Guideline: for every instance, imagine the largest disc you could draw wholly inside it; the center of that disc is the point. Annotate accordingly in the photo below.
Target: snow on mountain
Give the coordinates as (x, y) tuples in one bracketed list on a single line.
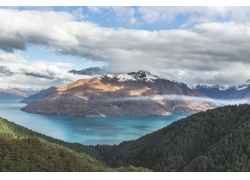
[(219, 87), (135, 76), (224, 92), (133, 94), (243, 87)]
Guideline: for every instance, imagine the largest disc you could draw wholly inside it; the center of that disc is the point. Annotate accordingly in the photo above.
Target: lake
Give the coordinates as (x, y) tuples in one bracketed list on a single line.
[(87, 131)]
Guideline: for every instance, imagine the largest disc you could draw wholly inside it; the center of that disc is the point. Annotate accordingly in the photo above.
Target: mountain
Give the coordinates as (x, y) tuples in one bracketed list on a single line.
[(38, 95), (15, 93), (215, 140), (132, 94), (224, 92)]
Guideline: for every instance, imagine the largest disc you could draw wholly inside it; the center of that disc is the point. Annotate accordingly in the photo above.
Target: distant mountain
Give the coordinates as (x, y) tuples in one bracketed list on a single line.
[(15, 93), (224, 92), (132, 94), (38, 95), (215, 140)]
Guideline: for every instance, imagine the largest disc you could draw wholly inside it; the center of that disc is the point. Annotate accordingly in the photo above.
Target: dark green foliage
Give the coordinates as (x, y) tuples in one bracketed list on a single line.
[(23, 150), (29, 154), (13, 130), (215, 140)]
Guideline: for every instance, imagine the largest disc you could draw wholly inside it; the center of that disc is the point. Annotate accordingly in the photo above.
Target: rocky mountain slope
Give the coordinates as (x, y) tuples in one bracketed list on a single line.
[(132, 94), (38, 95), (224, 92)]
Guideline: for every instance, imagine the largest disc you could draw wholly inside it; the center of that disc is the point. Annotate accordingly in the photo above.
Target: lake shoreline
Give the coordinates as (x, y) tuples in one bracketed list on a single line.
[(87, 131)]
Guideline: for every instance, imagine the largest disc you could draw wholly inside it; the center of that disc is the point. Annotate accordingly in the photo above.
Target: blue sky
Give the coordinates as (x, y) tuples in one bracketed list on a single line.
[(111, 18), (191, 44)]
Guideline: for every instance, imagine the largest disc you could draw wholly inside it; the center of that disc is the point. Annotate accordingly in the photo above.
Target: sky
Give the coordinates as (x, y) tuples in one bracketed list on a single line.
[(43, 46)]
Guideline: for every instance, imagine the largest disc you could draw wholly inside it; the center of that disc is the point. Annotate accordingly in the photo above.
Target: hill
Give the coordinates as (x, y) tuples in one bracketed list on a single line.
[(23, 150), (132, 94), (215, 140)]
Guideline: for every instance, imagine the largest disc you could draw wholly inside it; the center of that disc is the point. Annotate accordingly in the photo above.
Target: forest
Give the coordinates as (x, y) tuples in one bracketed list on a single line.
[(214, 140), (24, 150)]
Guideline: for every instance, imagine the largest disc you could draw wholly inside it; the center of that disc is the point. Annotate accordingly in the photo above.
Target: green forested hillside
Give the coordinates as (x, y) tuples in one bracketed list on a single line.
[(22, 149), (215, 140)]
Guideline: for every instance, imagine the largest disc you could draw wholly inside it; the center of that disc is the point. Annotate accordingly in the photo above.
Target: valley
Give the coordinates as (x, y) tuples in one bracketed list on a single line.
[(215, 140)]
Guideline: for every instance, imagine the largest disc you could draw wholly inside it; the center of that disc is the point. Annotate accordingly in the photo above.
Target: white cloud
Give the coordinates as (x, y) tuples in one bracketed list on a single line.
[(37, 74), (133, 21), (94, 9), (185, 54), (58, 64), (126, 14), (78, 14), (195, 13), (9, 57), (124, 11), (97, 9)]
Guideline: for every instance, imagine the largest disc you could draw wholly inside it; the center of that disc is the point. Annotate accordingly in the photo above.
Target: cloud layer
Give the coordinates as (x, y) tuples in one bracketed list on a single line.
[(208, 53), (88, 71), (9, 57), (37, 74)]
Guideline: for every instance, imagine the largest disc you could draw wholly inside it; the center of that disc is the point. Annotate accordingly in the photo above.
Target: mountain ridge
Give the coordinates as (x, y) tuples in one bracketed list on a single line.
[(38, 95), (15, 93), (119, 95), (240, 92)]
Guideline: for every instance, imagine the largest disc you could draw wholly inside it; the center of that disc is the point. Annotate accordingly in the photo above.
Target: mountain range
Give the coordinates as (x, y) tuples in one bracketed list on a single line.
[(224, 92), (132, 94), (216, 139), (15, 93)]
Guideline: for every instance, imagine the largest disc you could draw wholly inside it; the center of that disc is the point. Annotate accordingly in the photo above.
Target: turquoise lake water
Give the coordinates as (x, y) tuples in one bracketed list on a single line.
[(88, 131)]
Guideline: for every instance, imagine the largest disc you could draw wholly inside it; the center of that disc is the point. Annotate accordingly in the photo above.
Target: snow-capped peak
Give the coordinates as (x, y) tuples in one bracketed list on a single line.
[(135, 76), (244, 86), (222, 88)]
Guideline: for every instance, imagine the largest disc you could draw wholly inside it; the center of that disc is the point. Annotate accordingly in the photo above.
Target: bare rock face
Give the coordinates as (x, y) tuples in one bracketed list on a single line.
[(133, 94)]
